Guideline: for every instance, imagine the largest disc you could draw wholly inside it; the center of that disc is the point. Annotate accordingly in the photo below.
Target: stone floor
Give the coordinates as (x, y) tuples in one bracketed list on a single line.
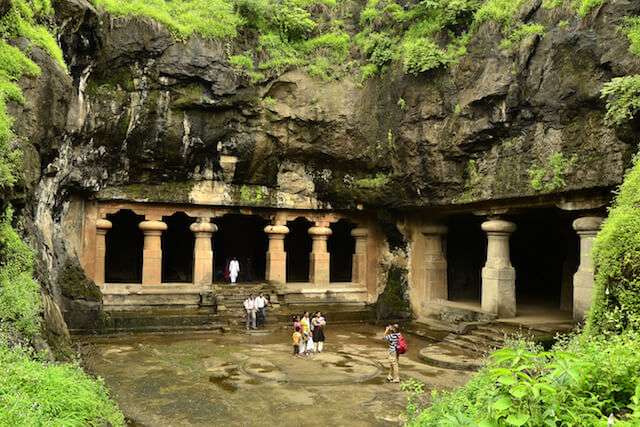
[(251, 379)]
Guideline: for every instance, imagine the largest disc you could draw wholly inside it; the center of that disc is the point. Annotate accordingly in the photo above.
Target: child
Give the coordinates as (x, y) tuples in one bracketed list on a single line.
[(296, 337)]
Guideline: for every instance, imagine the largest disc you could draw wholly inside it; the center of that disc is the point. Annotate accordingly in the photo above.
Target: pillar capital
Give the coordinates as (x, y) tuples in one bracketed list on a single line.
[(320, 232), (150, 227), (203, 227), (103, 225), (360, 233), (588, 224), (274, 230), (498, 226), (431, 229)]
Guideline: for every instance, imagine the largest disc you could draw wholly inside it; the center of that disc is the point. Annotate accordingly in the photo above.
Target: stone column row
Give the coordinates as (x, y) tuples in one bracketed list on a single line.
[(203, 230), (498, 275)]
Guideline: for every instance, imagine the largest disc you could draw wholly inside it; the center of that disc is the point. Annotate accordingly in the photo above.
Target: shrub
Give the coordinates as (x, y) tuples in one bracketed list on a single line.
[(35, 393), (616, 254), (579, 382), (502, 12), (623, 99)]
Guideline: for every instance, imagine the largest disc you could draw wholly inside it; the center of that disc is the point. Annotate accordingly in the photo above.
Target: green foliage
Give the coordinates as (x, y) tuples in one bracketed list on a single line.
[(552, 4), (414, 390), (376, 182), (631, 28), (550, 176), (520, 33), (579, 382), (502, 12), (616, 254), (19, 293), (584, 7), (207, 18), (623, 99), (35, 393), (402, 104)]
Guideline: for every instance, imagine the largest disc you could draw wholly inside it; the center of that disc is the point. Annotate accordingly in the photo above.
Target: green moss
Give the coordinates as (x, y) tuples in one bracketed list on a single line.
[(380, 180), (175, 191), (393, 302), (472, 183), (252, 195), (208, 18), (75, 284), (549, 176)]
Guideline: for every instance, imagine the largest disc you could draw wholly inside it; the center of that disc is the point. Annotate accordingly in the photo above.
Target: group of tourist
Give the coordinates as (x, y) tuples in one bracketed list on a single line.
[(256, 310), (308, 334)]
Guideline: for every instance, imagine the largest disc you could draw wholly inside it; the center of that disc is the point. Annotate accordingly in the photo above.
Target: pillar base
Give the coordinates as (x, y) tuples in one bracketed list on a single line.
[(499, 291)]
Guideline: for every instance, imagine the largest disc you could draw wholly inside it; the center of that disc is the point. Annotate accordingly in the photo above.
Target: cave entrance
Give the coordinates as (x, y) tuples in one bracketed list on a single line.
[(545, 255), (242, 237), (177, 249), (341, 246), (297, 245), (466, 254), (124, 245)]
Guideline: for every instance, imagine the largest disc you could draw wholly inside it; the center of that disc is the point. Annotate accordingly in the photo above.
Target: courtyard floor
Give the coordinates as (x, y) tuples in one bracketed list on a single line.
[(251, 379)]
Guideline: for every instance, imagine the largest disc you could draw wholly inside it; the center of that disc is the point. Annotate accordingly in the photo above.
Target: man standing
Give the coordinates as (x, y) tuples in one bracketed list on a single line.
[(234, 269), (250, 308), (261, 307)]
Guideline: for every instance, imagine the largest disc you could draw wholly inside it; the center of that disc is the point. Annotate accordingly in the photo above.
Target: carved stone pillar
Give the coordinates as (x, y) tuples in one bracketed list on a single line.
[(587, 229), (276, 256), (102, 226), (359, 268), (319, 262), (152, 253), (202, 252), (498, 276), (435, 263)]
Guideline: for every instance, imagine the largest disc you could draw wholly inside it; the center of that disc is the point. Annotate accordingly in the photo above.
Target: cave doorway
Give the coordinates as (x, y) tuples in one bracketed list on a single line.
[(124, 245), (466, 249), (341, 246), (178, 243), (242, 237), (297, 245), (545, 254)]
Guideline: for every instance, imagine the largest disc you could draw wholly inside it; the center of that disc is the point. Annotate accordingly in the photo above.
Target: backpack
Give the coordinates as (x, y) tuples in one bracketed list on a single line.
[(401, 346)]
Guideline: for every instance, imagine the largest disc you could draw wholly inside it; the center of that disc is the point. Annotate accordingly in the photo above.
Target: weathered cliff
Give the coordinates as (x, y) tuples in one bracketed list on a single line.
[(139, 108)]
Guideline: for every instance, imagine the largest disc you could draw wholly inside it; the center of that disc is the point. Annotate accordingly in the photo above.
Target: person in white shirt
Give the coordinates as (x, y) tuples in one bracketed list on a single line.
[(261, 309), (250, 308), (234, 269)]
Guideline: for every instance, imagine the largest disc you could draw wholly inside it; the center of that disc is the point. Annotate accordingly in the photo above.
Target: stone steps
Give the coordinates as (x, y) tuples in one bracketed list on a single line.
[(160, 320)]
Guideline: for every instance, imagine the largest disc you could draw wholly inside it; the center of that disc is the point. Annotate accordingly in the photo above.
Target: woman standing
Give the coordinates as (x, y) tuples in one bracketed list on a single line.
[(318, 331)]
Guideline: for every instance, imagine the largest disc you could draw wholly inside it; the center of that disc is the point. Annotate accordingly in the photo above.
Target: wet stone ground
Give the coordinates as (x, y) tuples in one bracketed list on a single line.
[(252, 379)]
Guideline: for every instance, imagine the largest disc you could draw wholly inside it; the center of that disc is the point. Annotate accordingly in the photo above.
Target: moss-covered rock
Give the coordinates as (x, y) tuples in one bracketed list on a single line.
[(393, 303), (74, 284)]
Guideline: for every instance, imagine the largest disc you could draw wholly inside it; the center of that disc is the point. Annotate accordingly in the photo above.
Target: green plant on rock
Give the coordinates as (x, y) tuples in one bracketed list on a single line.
[(208, 18), (584, 7), (520, 33), (623, 99), (380, 180), (550, 176), (631, 28)]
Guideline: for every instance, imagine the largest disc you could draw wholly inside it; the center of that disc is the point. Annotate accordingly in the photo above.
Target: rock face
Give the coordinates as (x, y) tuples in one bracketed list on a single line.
[(139, 107)]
